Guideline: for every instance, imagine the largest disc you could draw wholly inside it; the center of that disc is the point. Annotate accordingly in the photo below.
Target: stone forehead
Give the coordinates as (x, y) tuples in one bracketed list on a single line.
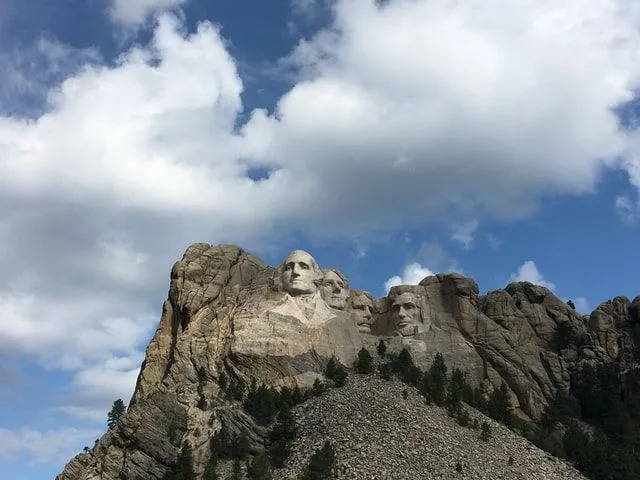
[(336, 273), (361, 297), (300, 255), (405, 297)]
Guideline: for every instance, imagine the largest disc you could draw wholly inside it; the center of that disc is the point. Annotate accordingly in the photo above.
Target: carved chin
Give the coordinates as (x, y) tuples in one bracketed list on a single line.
[(337, 303)]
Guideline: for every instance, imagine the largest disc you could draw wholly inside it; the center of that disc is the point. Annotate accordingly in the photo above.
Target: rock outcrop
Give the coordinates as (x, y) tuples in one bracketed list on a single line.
[(229, 315)]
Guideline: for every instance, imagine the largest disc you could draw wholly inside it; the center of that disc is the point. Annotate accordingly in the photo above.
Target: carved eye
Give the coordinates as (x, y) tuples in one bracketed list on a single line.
[(340, 284), (304, 266)]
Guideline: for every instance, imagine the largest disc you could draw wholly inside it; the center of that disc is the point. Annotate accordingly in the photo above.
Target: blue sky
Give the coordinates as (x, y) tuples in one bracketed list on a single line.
[(390, 139)]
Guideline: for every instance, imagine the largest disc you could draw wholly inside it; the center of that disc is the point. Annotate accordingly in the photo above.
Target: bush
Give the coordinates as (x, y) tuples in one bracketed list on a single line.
[(463, 418), (259, 468), (320, 464), (318, 388), (261, 403), (459, 467), (364, 364), (385, 371), (498, 406), (405, 393), (336, 371), (282, 435), (382, 348), (485, 432)]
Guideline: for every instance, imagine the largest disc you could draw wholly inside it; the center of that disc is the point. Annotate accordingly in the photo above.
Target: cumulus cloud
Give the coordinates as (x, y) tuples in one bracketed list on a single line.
[(528, 272), (411, 275), (464, 233), (136, 12), (44, 446), (436, 108)]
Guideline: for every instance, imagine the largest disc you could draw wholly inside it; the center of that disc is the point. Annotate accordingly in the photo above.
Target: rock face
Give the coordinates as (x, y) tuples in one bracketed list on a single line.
[(229, 315)]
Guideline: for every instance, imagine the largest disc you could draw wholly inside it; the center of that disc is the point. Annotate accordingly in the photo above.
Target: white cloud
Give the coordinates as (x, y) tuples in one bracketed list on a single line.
[(464, 233), (412, 274), (582, 305), (97, 386), (628, 210), (44, 446), (136, 12), (437, 109), (528, 272)]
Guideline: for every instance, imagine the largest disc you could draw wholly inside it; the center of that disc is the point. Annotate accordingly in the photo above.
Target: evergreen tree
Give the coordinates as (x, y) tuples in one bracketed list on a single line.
[(210, 471), (297, 397), (117, 410), (261, 404), (317, 388), (183, 469), (485, 432), (435, 380), (336, 372), (321, 463), (364, 364), (498, 406), (282, 435), (259, 468), (382, 348)]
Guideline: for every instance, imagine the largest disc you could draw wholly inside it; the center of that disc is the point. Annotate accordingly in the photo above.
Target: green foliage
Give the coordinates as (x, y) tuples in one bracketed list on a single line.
[(225, 446), (382, 348), (434, 381), (336, 371), (385, 370), (458, 467), (364, 364), (117, 410), (259, 468), (510, 462), (463, 418), (571, 304), (202, 378), (563, 336), (498, 406), (281, 436), (320, 464), (405, 393), (560, 409), (183, 469), (236, 389), (297, 396), (211, 470), (318, 388), (261, 403), (485, 432)]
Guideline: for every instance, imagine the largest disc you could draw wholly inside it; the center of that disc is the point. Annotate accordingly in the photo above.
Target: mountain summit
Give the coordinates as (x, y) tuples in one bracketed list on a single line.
[(233, 326)]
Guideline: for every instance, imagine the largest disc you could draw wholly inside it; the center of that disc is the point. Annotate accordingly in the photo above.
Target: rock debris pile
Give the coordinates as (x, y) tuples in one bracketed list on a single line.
[(379, 435)]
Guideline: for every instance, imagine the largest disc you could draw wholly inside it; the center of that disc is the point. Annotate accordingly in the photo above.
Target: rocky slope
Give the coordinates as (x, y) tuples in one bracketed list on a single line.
[(378, 434), (227, 311)]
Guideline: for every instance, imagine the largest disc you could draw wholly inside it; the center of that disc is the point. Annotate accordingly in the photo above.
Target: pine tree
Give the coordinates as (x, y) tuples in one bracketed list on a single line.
[(364, 364), (117, 410), (382, 348), (183, 469), (259, 468), (317, 388), (498, 407), (435, 380), (321, 463)]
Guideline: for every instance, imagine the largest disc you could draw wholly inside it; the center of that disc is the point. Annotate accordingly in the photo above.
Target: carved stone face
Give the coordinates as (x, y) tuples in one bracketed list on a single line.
[(300, 273), (406, 315), (361, 307), (334, 290)]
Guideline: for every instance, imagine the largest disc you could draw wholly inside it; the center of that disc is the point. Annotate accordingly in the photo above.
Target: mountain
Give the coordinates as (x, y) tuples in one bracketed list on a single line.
[(232, 325)]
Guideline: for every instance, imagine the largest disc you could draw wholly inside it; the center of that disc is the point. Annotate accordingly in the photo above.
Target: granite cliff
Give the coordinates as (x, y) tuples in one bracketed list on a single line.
[(231, 316)]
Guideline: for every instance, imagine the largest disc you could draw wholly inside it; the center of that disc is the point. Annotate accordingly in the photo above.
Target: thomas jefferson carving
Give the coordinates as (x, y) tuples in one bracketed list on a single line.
[(335, 289), (361, 308)]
